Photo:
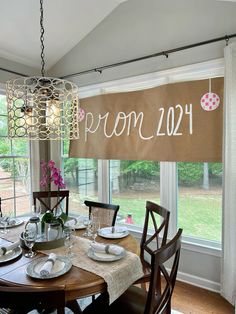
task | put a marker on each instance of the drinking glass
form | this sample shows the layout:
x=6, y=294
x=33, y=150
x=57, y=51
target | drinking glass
x=69, y=240
x=87, y=223
x=29, y=237
x=5, y=220
x=95, y=226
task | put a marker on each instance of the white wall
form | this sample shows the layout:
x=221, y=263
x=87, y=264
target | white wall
x=141, y=27
x=16, y=67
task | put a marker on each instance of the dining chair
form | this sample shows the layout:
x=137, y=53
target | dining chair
x=156, y=300
x=106, y=213
x=154, y=236
x=25, y=299
x=51, y=199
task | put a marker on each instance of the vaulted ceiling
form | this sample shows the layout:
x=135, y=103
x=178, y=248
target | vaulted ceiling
x=66, y=22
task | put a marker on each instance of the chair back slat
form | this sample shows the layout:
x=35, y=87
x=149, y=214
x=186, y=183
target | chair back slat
x=45, y=198
x=106, y=213
x=154, y=212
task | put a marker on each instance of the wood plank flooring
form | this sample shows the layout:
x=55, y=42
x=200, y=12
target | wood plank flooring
x=189, y=299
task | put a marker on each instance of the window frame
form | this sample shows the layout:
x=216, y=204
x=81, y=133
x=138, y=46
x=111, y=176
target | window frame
x=168, y=170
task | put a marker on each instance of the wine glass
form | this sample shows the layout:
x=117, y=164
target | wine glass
x=29, y=237
x=87, y=223
x=95, y=226
x=69, y=240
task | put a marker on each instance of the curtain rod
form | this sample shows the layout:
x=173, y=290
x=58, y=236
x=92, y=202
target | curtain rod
x=157, y=54
x=161, y=53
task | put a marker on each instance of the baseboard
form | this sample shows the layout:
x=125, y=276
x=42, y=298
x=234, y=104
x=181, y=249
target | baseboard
x=198, y=281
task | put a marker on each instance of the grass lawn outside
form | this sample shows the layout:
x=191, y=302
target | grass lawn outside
x=199, y=214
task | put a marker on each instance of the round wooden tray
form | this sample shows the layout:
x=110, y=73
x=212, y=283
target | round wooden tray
x=43, y=244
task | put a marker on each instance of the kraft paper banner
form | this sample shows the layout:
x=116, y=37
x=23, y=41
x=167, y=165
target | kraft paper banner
x=174, y=122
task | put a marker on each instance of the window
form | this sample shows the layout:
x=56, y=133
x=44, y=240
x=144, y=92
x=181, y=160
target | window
x=194, y=199
x=131, y=184
x=14, y=169
x=200, y=199
x=81, y=179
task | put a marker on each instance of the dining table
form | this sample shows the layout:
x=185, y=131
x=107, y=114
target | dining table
x=77, y=282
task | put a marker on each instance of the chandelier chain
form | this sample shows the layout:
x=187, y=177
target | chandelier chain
x=42, y=38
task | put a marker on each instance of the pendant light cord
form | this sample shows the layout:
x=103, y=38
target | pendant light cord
x=42, y=38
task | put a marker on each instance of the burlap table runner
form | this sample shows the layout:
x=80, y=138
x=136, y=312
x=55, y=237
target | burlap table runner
x=118, y=275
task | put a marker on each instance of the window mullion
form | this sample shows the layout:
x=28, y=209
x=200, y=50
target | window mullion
x=168, y=192
x=103, y=181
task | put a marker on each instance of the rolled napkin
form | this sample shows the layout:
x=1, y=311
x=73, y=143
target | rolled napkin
x=107, y=248
x=48, y=265
x=5, y=249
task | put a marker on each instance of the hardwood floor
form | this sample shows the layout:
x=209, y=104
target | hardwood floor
x=189, y=299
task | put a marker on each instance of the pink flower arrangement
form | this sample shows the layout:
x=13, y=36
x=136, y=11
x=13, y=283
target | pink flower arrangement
x=51, y=174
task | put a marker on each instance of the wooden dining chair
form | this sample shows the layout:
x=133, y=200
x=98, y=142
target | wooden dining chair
x=56, y=198
x=25, y=299
x=106, y=213
x=157, y=300
x=154, y=236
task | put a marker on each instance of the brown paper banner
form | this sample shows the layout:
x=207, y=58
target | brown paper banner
x=174, y=122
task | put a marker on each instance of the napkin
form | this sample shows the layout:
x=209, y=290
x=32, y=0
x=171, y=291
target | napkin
x=107, y=248
x=114, y=232
x=5, y=249
x=46, y=269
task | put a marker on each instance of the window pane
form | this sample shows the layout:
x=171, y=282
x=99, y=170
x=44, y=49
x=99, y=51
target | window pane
x=20, y=147
x=132, y=183
x=200, y=199
x=3, y=126
x=22, y=205
x=7, y=206
x=3, y=107
x=6, y=168
x=80, y=176
x=22, y=176
x=5, y=147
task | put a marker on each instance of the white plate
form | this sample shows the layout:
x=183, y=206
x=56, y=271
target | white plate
x=10, y=255
x=18, y=222
x=119, y=232
x=104, y=257
x=62, y=265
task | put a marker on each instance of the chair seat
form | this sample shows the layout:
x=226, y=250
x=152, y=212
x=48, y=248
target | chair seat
x=132, y=301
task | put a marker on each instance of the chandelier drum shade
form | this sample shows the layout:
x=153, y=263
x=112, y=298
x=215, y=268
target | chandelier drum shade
x=42, y=108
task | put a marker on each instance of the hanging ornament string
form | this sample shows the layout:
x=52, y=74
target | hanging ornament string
x=42, y=38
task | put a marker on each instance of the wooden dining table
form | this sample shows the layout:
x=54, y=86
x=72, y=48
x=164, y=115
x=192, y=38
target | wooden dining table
x=77, y=283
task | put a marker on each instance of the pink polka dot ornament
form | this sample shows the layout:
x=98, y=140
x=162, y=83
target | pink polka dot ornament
x=210, y=101
x=81, y=114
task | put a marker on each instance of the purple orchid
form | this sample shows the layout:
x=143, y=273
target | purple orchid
x=51, y=174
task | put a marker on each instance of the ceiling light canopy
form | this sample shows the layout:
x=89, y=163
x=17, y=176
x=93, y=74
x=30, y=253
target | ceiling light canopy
x=42, y=108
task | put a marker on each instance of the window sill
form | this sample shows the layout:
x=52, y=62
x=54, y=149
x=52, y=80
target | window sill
x=191, y=244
